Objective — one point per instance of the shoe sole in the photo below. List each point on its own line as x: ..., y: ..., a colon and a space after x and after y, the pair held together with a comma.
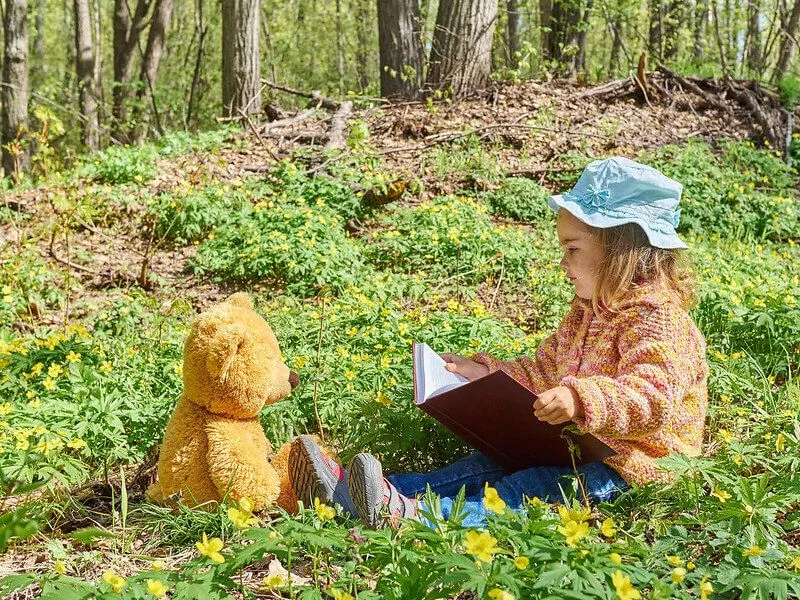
x: 365, y: 497
x: 308, y: 481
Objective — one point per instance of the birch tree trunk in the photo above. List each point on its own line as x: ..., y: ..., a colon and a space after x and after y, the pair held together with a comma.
x: 400, y: 45
x: 241, y: 57
x: 16, y: 150
x: 85, y: 70
x: 461, y: 53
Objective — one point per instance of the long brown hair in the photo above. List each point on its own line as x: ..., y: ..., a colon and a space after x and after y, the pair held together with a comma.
x: 630, y: 262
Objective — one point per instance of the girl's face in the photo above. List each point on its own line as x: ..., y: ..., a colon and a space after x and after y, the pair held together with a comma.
x: 582, y: 253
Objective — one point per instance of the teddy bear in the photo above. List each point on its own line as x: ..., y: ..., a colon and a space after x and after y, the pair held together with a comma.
x: 214, y: 446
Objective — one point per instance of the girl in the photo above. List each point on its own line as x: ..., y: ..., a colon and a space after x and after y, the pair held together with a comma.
x: 627, y: 363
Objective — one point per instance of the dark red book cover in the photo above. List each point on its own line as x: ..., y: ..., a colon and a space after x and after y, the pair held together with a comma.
x: 495, y: 415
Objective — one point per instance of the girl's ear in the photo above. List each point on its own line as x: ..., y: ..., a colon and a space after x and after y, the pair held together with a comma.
x: 222, y: 349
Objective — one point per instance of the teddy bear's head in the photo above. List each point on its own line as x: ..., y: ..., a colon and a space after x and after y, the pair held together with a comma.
x: 231, y: 361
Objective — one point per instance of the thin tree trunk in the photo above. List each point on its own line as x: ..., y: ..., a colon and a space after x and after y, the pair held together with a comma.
x: 654, y: 39
x: 545, y: 10
x: 362, y: 44
x: 616, y: 44
x: 673, y: 24
x: 563, y: 23
x: 580, y: 57
x: 200, y: 31
x: 513, y: 12
x: 39, y: 69
x: 241, y: 59
x: 159, y: 22
x: 701, y: 16
x: 720, y: 46
x: 127, y: 30
x: 85, y: 70
x: 16, y: 150
x: 787, y: 43
x: 339, y: 46
x: 400, y: 48
x: 461, y: 54
x: 754, y: 37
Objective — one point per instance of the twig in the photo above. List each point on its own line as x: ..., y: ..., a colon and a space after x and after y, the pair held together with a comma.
x: 247, y: 118
x: 316, y: 96
x: 54, y: 256
x: 499, y: 281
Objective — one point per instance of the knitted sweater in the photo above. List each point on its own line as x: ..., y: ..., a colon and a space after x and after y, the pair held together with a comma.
x: 641, y: 377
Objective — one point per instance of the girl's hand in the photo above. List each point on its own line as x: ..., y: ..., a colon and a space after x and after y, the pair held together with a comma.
x: 558, y: 405
x: 464, y: 366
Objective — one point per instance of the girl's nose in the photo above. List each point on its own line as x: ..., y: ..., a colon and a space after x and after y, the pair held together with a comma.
x: 563, y: 263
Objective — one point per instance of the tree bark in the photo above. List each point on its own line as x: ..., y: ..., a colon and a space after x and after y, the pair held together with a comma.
x: 787, y: 43
x: 754, y: 37
x: 16, y: 150
x: 159, y: 22
x: 362, y: 44
x: 461, y: 53
x: 39, y: 69
x: 564, y: 20
x: 85, y: 70
x: 701, y: 16
x: 580, y: 57
x: 674, y: 18
x: 241, y: 58
x: 513, y: 31
x: 654, y: 38
x: 616, y: 44
x: 127, y: 30
x: 400, y: 45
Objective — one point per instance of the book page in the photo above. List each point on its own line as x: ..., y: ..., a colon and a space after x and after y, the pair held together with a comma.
x: 431, y: 376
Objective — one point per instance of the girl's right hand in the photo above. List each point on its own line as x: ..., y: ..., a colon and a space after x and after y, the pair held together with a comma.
x: 464, y: 366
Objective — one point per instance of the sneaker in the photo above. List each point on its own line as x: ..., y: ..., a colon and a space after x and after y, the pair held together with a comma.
x: 373, y: 495
x: 315, y: 475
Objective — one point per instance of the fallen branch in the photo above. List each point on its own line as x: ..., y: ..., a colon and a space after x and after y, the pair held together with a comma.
x: 314, y: 96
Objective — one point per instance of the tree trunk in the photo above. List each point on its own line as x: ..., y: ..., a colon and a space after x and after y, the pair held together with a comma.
x: 674, y: 18
x: 513, y: 11
x: 616, y: 44
x: 85, y: 70
x: 580, y: 57
x: 701, y: 16
x: 545, y: 10
x: 564, y: 23
x: 159, y: 22
x: 787, y: 43
x: 241, y: 62
x: 400, y: 48
x: 461, y: 53
x: 339, y: 47
x: 362, y: 44
x: 200, y: 32
x: 127, y: 30
x: 654, y: 39
x: 16, y: 150
x: 39, y: 69
x: 754, y: 37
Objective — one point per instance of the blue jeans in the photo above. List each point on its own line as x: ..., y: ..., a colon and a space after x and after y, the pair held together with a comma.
x: 602, y: 484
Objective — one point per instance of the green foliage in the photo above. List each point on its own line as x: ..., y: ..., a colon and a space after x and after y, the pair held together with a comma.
x: 789, y: 90
x: 121, y: 165
x: 519, y: 199
x: 448, y: 236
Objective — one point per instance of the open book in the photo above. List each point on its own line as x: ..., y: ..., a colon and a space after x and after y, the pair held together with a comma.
x: 494, y: 414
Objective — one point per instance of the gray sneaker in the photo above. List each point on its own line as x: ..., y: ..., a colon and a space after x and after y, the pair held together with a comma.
x: 315, y: 475
x: 374, y: 496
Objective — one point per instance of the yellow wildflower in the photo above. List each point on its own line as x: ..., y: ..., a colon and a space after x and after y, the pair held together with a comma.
x: 54, y: 370
x: 156, y: 588
x: 753, y: 551
x: 795, y: 563
x: 705, y: 588
x: 678, y: 573
x: 521, y: 562
x: 274, y: 580
x: 340, y: 595
x: 721, y: 494
x: 492, y: 500
x: 106, y: 367
x: 76, y: 444
x: 690, y: 566
x: 570, y: 514
x: 73, y: 357
x: 615, y: 558
x: 324, y: 512
x: 211, y: 548
x: 607, y: 528
x: 573, y: 532
x: 242, y: 516
x: 675, y: 561
x: 498, y: 594
x: 349, y: 375
x: 115, y: 581
x: 6, y: 408
x: 481, y: 545
x: 157, y: 565
x: 49, y: 384
x: 780, y: 442
x: 59, y: 568
x: 624, y: 587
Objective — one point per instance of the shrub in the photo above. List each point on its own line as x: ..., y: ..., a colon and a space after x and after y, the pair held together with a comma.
x: 519, y: 199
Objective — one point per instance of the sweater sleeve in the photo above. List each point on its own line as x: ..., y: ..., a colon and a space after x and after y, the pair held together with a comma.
x: 537, y: 373
x: 657, y: 365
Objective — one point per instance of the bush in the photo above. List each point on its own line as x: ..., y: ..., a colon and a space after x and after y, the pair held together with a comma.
x: 519, y: 199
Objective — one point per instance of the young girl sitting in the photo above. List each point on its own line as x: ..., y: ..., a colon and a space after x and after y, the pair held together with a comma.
x: 627, y: 363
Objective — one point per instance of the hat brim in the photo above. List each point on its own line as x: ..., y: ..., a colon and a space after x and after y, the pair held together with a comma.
x: 669, y: 241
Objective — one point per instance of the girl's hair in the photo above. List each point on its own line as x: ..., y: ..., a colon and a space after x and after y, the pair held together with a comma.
x: 630, y: 262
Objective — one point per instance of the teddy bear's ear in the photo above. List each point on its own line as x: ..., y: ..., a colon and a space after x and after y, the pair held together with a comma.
x: 240, y: 299
x: 223, y: 348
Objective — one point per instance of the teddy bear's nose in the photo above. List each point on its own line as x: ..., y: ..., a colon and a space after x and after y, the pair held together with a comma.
x: 294, y: 379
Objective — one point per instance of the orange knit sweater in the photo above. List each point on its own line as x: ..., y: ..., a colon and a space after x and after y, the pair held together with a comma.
x: 641, y: 376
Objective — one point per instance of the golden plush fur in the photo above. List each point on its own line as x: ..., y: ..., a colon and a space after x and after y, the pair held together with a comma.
x: 214, y: 445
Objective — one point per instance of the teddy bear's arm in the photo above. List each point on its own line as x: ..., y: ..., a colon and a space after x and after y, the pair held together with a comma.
x: 238, y: 462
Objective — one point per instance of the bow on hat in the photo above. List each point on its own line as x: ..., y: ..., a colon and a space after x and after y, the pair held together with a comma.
x: 594, y: 197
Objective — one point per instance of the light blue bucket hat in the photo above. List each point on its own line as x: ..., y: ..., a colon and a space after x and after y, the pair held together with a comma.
x: 618, y: 190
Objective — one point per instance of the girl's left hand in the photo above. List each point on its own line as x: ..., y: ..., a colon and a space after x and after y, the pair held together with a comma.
x: 558, y: 405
